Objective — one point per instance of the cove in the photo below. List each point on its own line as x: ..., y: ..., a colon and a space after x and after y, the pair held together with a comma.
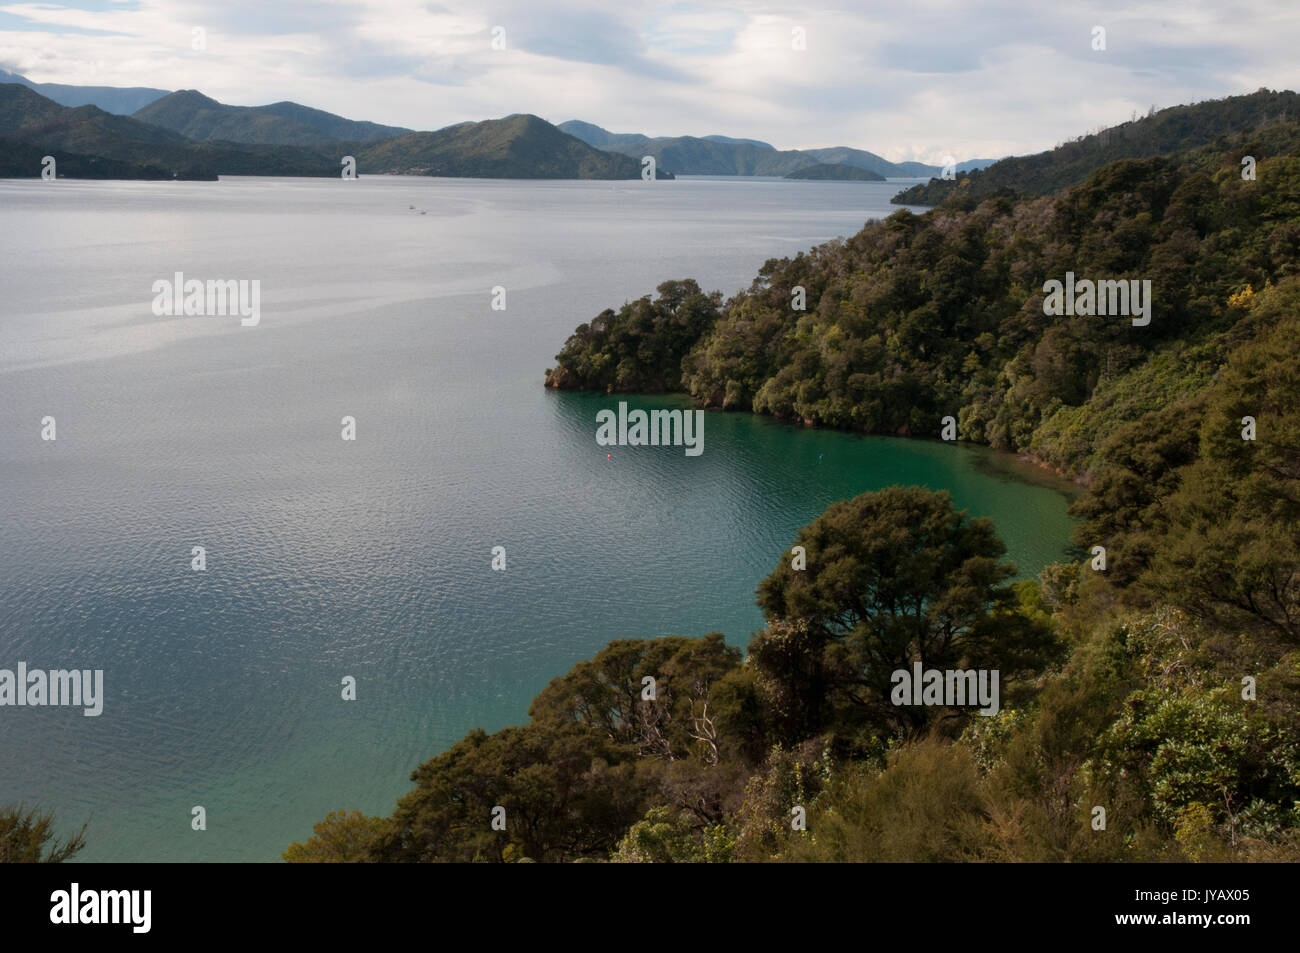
x: 738, y: 506
x: 372, y: 559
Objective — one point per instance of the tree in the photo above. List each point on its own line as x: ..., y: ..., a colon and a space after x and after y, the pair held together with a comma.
x: 659, y: 722
x: 639, y: 348
x: 926, y: 806
x: 27, y: 837
x: 664, y: 836
x: 564, y: 792
x: 893, y: 577
x: 1232, y: 547
x: 344, y: 837
x: 1199, y: 751
x: 679, y: 720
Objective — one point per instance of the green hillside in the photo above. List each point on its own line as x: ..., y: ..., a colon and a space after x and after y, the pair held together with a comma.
x: 861, y: 159
x: 517, y: 147
x: 724, y: 155
x: 1167, y: 131
x: 594, y: 135
x: 195, y: 116
x: 920, y: 317
x: 688, y: 155
x: 22, y: 160
x: 27, y: 116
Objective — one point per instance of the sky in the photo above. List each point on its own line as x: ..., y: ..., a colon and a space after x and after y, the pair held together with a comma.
x: 908, y: 79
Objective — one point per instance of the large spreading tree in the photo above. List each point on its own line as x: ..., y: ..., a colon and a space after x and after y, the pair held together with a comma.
x: 892, y: 578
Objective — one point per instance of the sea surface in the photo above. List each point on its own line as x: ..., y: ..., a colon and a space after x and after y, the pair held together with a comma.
x: 371, y: 558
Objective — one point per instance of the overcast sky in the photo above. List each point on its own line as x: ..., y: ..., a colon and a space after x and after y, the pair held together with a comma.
x: 910, y: 79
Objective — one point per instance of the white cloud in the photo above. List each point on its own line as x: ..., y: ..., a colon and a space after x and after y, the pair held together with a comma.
x: 916, y: 80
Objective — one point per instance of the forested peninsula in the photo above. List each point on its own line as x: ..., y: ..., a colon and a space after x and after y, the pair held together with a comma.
x: 1150, y: 689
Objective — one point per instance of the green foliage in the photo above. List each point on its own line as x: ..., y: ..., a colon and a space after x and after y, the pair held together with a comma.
x: 594, y: 758
x: 1121, y: 403
x: 343, y: 837
x: 791, y: 778
x: 1230, y: 547
x: 641, y: 347
x: 920, y: 317
x: 1059, y: 585
x: 1204, y: 751
x: 665, y: 836
x: 27, y: 837
x: 1167, y: 131
x: 186, y: 135
x: 925, y: 806
x: 1140, y: 465
x: 683, y: 718
x: 1219, y: 769
x: 22, y: 160
x: 719, y: 155
x: 893, y: 577
x: 691, y: 155
x: 568, y: 791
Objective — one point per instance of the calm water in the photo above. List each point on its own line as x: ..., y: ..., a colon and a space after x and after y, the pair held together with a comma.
x: 372, y: 558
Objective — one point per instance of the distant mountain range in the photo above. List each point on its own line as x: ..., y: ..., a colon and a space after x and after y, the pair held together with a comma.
x: 142, y: 150
x: 604, y: 139
x: 186, y: 135
x: 723, y: 155
x: 195, y: 116
x: 121, y: 101
x: 98, y: 131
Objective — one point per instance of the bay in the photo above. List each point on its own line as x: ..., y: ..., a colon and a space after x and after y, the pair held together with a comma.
x: 372, y: 558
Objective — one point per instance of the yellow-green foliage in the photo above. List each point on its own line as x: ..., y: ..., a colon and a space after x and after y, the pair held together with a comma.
x: 343, y: 837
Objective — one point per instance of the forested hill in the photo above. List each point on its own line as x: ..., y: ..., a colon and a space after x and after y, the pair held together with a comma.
x: 280, y: 139
x: 725, y: 155
x: 97, y: 144
x: 916, y: 318
x: 1176, y: 129
x: 516, y: 147
x: 198, y: 117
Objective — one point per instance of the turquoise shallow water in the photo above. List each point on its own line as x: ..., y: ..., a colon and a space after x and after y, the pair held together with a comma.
x: 372, y: 558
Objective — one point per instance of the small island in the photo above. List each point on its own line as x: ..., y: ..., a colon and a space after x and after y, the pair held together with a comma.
x: 835, y: 172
